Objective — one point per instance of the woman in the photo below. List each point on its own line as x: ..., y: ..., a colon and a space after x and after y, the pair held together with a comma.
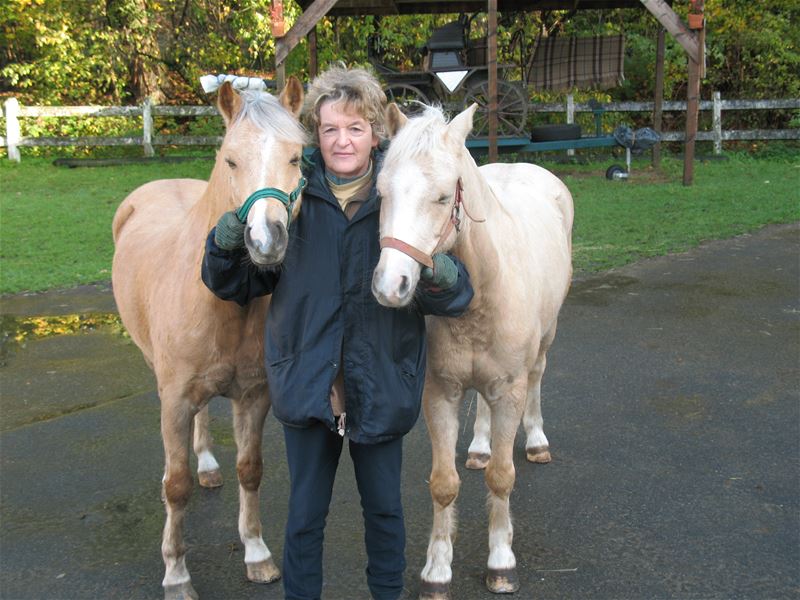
x: 339, y: 364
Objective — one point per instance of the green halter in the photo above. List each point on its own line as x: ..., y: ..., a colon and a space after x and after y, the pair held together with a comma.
x: 287, y: 200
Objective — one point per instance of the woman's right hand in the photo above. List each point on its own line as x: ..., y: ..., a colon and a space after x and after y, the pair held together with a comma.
x: 229, y: 234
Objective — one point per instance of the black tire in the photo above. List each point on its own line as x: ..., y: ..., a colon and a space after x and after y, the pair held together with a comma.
x: 612, y: 171
x: 554, y: 133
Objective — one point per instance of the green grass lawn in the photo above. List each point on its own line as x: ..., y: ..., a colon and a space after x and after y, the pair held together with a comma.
x: 55, y: 222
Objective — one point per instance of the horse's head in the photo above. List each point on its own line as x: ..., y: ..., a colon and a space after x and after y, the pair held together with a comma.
x: 420, y: 197
x: 259, y: 163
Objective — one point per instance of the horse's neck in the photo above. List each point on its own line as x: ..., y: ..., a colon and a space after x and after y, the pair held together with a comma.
x: 475, y: 245
x: 215, y: 200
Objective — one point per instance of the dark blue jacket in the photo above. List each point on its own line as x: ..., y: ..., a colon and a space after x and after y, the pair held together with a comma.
x: 323, y: 312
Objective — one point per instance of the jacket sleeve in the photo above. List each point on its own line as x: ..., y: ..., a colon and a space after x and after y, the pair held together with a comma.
x: 452, y: 302
x: 231, y: 276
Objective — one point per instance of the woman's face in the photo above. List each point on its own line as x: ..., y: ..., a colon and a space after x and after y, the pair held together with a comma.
x: 346, y: 140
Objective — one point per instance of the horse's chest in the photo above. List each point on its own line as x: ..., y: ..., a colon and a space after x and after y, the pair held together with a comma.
x: 471, y: 352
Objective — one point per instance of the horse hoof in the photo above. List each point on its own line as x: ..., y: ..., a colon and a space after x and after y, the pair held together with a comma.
x: 263, y: 571
x: 538, y: 454
x: 502, y: 581
x: 180, y: 591
x: 430, y: 590
x: 210, y: 479
x: 477, y: 460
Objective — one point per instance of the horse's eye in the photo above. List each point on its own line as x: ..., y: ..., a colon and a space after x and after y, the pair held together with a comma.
x: 295, y: 161
x: 443, y: 199
x: 230, y: 163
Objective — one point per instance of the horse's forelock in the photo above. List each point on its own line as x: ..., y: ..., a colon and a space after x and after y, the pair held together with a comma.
x: 266, y: 112
x: 421, y: 136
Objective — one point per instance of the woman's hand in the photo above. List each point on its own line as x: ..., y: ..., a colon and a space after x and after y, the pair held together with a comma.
x: 444, y: 273
x: 229, y: 234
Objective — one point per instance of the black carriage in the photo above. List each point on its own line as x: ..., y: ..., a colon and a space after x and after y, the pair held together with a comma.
x: 455, y: 74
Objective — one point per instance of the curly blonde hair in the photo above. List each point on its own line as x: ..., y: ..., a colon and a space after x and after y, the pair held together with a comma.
x: 358, y: 88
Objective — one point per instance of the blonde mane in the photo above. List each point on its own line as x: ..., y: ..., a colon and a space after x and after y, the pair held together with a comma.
x: 266, y: 112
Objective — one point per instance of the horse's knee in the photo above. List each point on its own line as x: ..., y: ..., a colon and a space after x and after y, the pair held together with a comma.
x: 500, y: 479
x: 444, y: 488
x: 178, y: 487
x: 250, y: 471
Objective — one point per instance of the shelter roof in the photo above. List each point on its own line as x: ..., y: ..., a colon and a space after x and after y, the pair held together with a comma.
x: 406, y: 7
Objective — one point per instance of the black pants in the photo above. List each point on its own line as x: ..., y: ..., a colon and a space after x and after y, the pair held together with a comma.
x: 313, y: 456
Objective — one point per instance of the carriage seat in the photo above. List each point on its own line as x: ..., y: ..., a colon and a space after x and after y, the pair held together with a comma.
x: 447, y: 37
x: 445, y: 48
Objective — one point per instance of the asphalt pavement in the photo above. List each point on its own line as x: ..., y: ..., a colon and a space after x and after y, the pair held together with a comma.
x: 671, y: 401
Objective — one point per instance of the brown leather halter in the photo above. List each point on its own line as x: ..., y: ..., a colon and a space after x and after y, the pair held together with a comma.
x: 454, y: 221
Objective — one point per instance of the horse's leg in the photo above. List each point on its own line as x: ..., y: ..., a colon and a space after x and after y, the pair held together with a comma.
x: 506, y: 414
x: 176, y: 424
x: 248, y: 426
x: 480, y: 449
x: 208, y: 472
x: 441, y: 416
x: 537, y: 448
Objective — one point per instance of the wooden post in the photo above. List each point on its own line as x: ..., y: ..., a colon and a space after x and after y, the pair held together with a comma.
x: 692, y: 110
x: 658, y: 101
x: 491, y: 51
x: 278, y: 30
x: 717, y: 120
x: 313, y: 64
x: 147, y: 126
x: 696, y: 64
x: 13, y: 136
x: 570, y: 118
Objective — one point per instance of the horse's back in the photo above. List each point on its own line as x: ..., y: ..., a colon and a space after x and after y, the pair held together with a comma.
x: 164, y: 201
x: 537, y: 233
x: 525, y: 188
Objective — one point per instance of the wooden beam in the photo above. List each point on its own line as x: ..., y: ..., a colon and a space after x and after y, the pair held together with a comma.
x: 673, y: 24
x: 303, y: 25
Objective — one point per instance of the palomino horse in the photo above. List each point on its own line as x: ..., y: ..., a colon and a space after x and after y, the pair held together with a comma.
x: 516, y: 245
x: 197, y: 345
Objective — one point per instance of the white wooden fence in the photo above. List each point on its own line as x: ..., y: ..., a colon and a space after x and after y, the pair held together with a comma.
x: 14, y: 113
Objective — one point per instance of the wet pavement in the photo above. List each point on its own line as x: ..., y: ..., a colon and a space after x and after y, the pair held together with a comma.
x: 670, y: 401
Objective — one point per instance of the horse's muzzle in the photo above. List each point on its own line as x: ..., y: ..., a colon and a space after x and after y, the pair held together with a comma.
x: 393, y: 291
x: 269, y: 251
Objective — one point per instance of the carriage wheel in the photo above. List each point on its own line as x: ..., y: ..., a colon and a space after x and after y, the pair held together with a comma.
x: 407, y: 97
x: 512, y: 108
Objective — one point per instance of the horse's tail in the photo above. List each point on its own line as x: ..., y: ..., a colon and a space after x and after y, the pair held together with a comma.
x: 121, y: 217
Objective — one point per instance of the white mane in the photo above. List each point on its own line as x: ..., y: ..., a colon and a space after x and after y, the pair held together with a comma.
x: 266, y: 112
x: 420, y: 137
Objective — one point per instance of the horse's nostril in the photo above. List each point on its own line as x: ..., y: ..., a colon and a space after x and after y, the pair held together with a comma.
x: 403, y: 290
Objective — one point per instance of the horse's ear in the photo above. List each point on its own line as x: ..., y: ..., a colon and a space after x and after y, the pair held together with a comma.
x: 291, y: 97
x: 395, y: 119
x: 461, y: 125
x: 228, y: 102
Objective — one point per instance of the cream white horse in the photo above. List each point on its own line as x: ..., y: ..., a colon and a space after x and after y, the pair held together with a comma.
x: 197, y: 345
x: 511, y: 226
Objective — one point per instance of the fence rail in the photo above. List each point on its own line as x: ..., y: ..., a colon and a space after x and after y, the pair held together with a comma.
x: 14, y: 112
